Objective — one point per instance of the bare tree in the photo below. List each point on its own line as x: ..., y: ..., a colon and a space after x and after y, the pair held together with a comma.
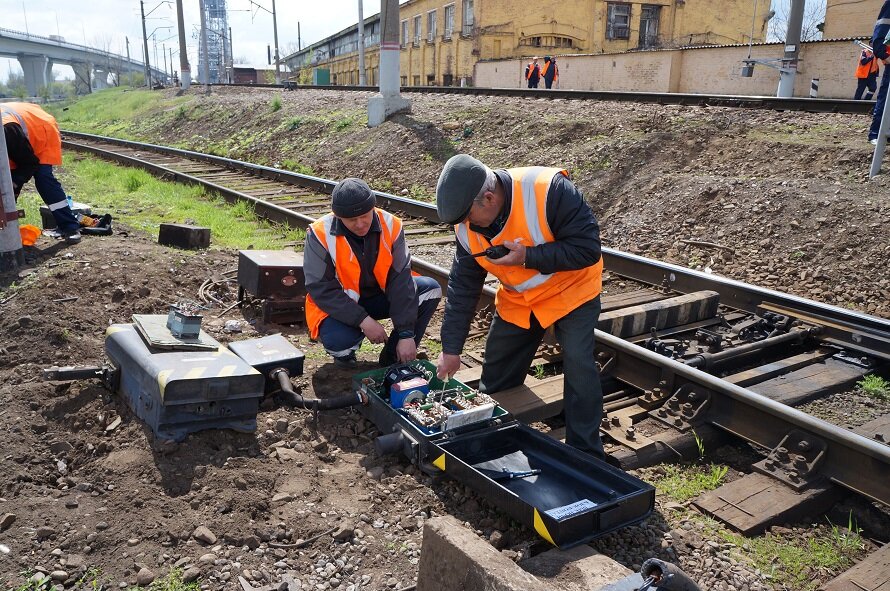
x: 813, y: 20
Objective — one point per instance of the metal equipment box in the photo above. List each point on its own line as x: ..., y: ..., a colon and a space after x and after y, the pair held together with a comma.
x: 268, y: 353
x: 179, y: 392
x: 272, y: 273
x: 568, y: 497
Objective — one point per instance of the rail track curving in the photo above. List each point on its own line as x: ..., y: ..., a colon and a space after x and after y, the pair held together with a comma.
x: 685, y: 356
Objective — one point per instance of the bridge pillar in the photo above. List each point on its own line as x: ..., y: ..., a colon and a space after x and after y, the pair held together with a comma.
x: 35, y: 68
x: 81, y: 77
x: 100, y: 78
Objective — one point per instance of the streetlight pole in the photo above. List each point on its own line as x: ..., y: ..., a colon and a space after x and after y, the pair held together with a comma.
x: 145, y: 46
x: 275, y: 28
x: 361, y: 46
x: 204, y: 49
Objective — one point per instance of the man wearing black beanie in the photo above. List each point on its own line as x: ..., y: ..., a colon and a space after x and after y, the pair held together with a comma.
x: 358, y: 271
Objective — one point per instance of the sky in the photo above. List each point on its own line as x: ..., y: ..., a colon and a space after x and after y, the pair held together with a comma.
x: 106, y: 23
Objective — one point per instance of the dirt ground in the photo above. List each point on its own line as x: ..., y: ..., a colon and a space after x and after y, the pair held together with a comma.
x: 784, y: 197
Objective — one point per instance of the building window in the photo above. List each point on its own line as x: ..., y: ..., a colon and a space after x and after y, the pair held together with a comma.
x: 618, y: 26
x: 404, y: 34
x: 468, y: 20
x: 416, y: 80
x: 404, y: 81
x: 430, y: 79
x: 649, y: 25
x: 449, y: 22
x: 417, y: 31
x: 447, y: 80
x: 431, y: 26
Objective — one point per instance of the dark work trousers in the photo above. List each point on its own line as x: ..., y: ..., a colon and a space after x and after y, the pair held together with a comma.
x: 52, y: 193
x: 871, y: 83
x: 879, y: 106
x: 509, y: 352
x: 341, y: 339
x: 533, y: 83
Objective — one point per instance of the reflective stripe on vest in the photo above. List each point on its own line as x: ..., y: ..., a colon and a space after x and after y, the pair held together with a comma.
x: 9, y: 114
x: 346, y: 265
x: 524, y: 291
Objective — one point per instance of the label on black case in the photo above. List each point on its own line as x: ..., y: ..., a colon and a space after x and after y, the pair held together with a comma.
x: 566, y: 511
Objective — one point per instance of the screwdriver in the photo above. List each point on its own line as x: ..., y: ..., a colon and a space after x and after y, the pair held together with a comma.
x: 492, y: 252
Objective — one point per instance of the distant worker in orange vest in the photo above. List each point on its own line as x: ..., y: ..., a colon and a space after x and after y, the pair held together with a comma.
x: 533, y: 73
x: 35, y: 146
x: 358, y: 271
x: 551, y: 275
x: 867, y: 75
x: 550, y: 71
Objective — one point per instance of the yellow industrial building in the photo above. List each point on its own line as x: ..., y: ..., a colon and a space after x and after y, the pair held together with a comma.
x: 442, y: 40
x: 850, y: 19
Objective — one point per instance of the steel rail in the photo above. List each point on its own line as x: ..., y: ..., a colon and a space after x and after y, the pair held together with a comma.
x: 851, y: 460
x: 860, y: 332
x: 804, y: 104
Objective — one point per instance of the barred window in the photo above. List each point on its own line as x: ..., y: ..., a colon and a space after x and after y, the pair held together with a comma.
x: 468, y: 19
x: 618, y: 25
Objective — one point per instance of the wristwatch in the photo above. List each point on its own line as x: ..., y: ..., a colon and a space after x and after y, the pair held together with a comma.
x: 406, y: 334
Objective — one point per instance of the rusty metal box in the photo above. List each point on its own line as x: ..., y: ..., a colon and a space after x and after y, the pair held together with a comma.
x: 272, y: 273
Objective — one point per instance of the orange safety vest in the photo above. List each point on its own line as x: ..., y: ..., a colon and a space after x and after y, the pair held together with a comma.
x: 547, y: 67
x: 527, y: 291
x: 40, y: 128
x: 346, y: 264
x: 866, y: 70
x: 531, y: 70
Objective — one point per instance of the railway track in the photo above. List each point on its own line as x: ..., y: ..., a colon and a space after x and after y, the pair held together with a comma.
x: 686, y: 357
x: 808, y: 105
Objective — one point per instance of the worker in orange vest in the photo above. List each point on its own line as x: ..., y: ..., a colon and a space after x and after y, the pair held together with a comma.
x: 358, y: 271
x: 533, y: 73
x: 866, y: 75
x: 550, y: 71
x: 35, y: 146
x: 551, y: 275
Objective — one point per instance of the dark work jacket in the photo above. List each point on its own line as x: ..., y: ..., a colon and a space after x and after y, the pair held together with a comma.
x: 882, y: 28
x: 535, y: 74
x: 324, y: 287
x: 20, y: 152
x: 576, y: 246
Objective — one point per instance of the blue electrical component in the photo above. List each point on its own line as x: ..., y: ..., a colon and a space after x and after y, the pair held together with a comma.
x: 408, y: 391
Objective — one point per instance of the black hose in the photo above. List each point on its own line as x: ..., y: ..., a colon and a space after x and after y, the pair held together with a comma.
x: 292, y: 398
x: 666, y: 576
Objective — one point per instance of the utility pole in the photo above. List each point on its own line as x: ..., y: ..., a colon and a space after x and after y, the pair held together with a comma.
x: 164, y: 51
x: 275, y: 28
x: 172, y: 70
x: 231, y: 59
x: 788, y: 71
x: 361, y: 46
x: 145, y: 46
x: 299, y: 42
x: 388, y: 101
x: 127, y: 39
x: 11, y: 254
x: 184, y: 69
x: 204, y: 53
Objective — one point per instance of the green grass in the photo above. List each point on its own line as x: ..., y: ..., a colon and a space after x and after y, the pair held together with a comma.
x: 293, y: 165
x: 796, y: 563
x: 875, y: 386
x: 276, y: 103
x: 143, y: 202
x: 683, y: 482
x: 113, y: 111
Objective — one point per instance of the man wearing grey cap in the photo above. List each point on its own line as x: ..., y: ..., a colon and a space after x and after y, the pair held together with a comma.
x: 550, y: 269
x: 358, y: 271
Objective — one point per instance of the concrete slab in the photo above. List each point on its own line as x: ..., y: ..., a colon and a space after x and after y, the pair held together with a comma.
x: 453, y: 558
x: 579, y: 569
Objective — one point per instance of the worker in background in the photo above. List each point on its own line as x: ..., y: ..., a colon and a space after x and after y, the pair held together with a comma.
x: 879, y: 47
x: 533, y: 73
x: 358, y: 271
x: 35, y: 146
x: 551, y: 276
x: 866, y: 75
x: 550, y: 71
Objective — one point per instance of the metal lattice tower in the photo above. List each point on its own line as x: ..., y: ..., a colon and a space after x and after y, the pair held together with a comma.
x: 219, y: 48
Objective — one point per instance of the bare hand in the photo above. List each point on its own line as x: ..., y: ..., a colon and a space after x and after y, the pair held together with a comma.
x: 448, y: 365
x: 406, y: 350
x: 516, y: 257
x: 373, y: 330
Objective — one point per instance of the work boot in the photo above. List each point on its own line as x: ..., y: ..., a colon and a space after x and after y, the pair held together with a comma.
x: 347, y: 361
x: 72, y: 237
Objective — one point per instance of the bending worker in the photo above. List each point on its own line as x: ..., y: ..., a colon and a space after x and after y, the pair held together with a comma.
x: 358, y: 271
x: 35, y: 146
x: 551, y: 275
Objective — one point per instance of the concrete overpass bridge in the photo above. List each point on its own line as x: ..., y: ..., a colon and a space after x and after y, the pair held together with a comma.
x: 91, y: 66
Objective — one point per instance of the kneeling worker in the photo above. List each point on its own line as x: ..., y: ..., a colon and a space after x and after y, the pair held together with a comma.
x: 358, y: 271
x: 550, y: 275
